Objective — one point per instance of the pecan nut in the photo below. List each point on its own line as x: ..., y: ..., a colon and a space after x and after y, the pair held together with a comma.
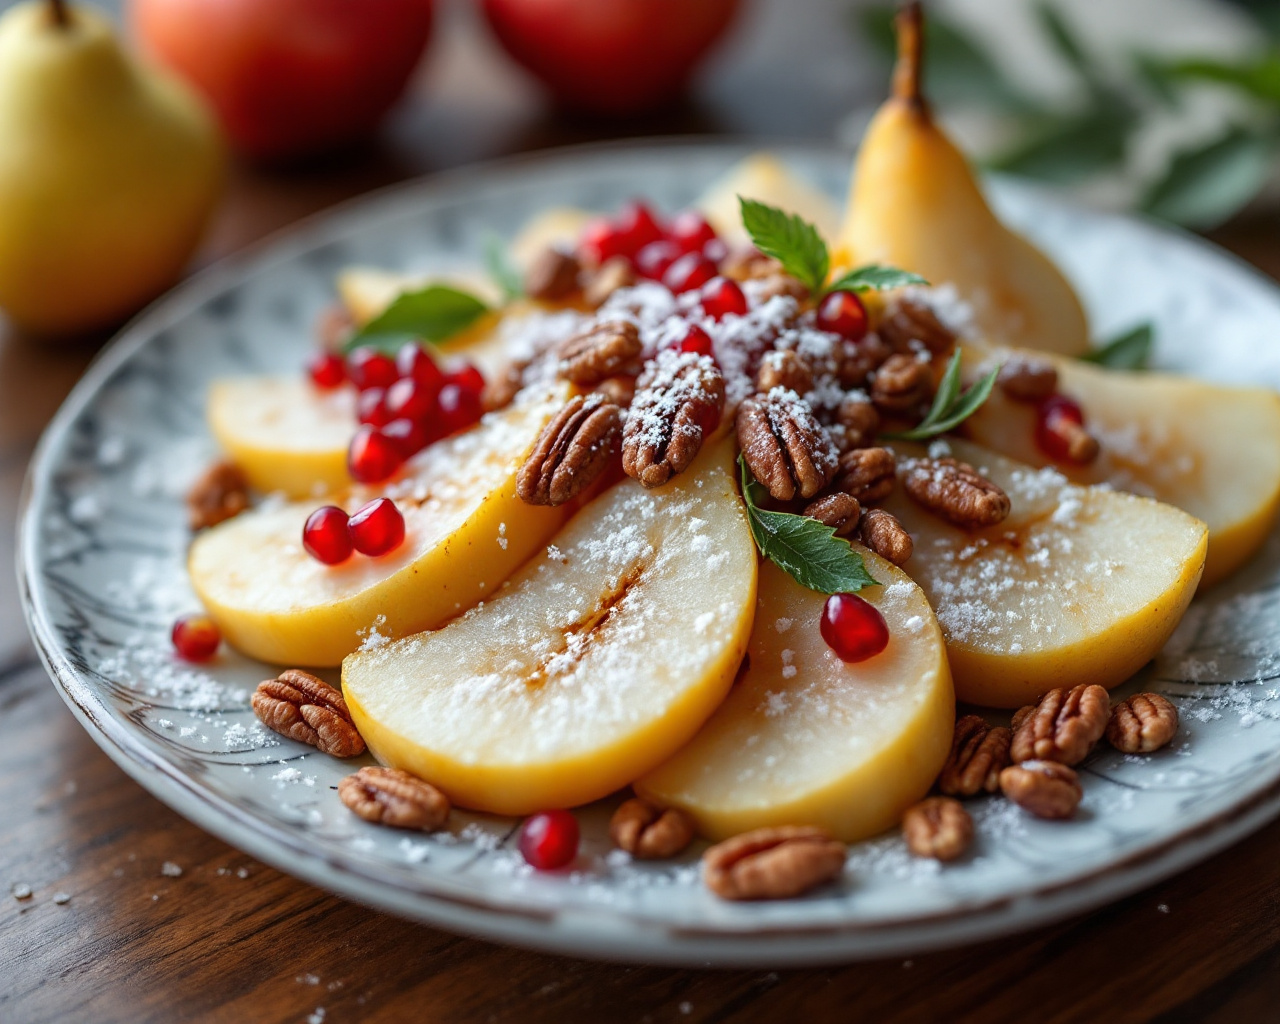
x: 902, y: 385
x: 937, y: 827
x: 618, y: 390
x: 882, y: 533
x: 909, y: 320
x: 785, y: 446
x: 388, y: 796
x: 978, y: 755
x: 298, y: 705
x: 571, y: 452
x: 601, y: 351
x: 747, y: 263
x: 772, y: 863
x: 838, y: 510
x: 679, y: 400
x: 222, y: 491
x: 501, y: 389
x: 552, y: 276
x: 770, y: 286
x: 1063, y: 726
x: 859, y: 420
x: 612, y: 274
x: 1047, y: 789
x: 857, y: 361
x: 1142, y: 723
x: 955, y: 491
x: 867, y: 474
x: 782, y: 368
x: 1027, y: 379
x: 649, y: 832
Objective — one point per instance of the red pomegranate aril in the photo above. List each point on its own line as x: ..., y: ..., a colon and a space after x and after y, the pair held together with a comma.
x: 653, y: 260
x: 549, y: 840
x: 716, y: 251
x: 721, y: 296
x: 638, y: 227
x: 369, y: 368
x: 325, y: 535
x: 690, y: 271
x: 696, y: 340
x: 1052, y: 415
x: 195, y: 638
x: 376, y: 528
x: 407, y: 399
x: 690, y: 231
x: 410, y: 436
x: 844, y: 314
x: 600, y: 240
x: 371, y: 407
x: 853, y: 627
x: 327, y: 370
x: 415, y: 362
x: 468, y: 377
x: 459, y: 408
x: 373, y: 456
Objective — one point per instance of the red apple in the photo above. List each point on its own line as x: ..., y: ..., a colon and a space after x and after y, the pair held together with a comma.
x: 610, y: 56
x: 289, y: 77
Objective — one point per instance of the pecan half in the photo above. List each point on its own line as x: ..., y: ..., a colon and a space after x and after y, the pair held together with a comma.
x: 679, y: 399
x: 772, y: 863
x: 1142, y: 723
x: 937, y: 827
x: 298, y: 705
x: 1063, y: 726
x: 1045, y: 788
x: 838, y: 510
x: 1027, y: 379
x: 907, y: 320
x: 978, y: 755
x: 618, y: 390
x: 867, y: 474
x: 571, y: 452
x: 785, y: 446
x: 552, y: 276
x: 502, y: 387
x: 902, y: 385
x: 770, y: 286
x: 856, y: 361
x: 222, y: 491
x: 782, y: 368
x: 955, y: 491
x: 388, y: 796
x: 860, y: 421
x: 882, y: 533
x: 611, y: 275
x: 747, y: 263
x: 649, y: 832
x: 600, y: 351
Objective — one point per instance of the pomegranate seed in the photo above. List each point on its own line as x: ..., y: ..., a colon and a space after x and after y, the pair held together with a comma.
x: 696, y: 340
x: 600, y: 240
x: 549, y: 840
x: 373, y: 456
x: 652, y: 261
x: 415, y: 362
x: 325, y: 535
x: 721, y: 296
x: 376, y: 528
x: 371, y: 407
x: 638, y: 227
x: 690, y: 271
x: 410, y: 436
x: 467, y: 377
x: 1060, y: 431
x: 369, y: 368
x: 195, y: 638
x: 407, y: 399
x: 716, y: 251
x: 459, y: 408
x: 690, y: 231
x: 853, y: 628
x: 844, y: 314
x: 327, y: 370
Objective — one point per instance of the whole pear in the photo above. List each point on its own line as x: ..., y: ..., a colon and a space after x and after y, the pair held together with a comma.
x: 108, y: 172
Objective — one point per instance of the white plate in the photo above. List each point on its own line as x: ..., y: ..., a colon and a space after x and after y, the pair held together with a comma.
x: 102, y: 549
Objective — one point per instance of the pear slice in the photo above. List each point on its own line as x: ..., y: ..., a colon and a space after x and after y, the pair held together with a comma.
x: 766, y: 179
x: 914, y: 204
x: 1209, y: 449
x: 803, y: 738
x: 602, y: 656
x: 1077, y: 585
x: 465, y: 532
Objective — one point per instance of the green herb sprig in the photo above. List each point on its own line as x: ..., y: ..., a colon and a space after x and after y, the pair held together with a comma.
x: 950, y: 407
x: 432, y: 313
x: 1130, y: 350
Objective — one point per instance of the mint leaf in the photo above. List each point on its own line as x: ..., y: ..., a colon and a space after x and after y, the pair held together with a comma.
x: 950, y: 407
x: 806, y: 549
x: 1128, y: 351
x: 504, y: 275
x: 434, y: 313
x: 874, y: 278
x: 792, y: 241
x: 1205, y: 185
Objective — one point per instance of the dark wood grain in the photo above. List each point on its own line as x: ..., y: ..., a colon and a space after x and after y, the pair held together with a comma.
x: 232, y: 940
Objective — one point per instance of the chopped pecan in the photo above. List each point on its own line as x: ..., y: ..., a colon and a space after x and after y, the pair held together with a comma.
x: 1045, y: 788
x: 978, y: 755
x: 860, y: 421
x: 770, y: 286
x: 649, y: 832
x: 909, y: 319
x: 782, y: 368
x: 785, y: 446
x: 618, y: 390
x: 601, y: 351
x: 1063, y: 726
x: 553, y: 275
x: 388, y: 796
x: 772, y: 863
x: 838, y: 510
x: 679, y: 400
x: 902, y: 385
x: 955, y: 491
x: 298, y: 705
x: 747, y: 263
x: 867, y: 474
x: 571, y: 452
x: 334, y: 326
x: 222, y: 491
x: 502, y: 387
x: 1142, y: 723
x: 937, y: 827
x: 1027, y: 379
x: 611, y: 275
x: 856, y: 361
x: 882, y: 533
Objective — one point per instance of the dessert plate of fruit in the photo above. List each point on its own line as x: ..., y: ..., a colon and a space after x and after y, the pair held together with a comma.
x: 734, y: 574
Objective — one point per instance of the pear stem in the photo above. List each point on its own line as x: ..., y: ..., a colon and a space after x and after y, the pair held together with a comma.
x: 58, y: 9
x: 907, y: 72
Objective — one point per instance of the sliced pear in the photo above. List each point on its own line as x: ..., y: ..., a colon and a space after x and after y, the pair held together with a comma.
x: 598, y: 661
x: 1209, y: 449
x: 465, y: 532
x: 765, y: 178
x: 914, y: 203
x: 803, y: 738
x: 1077, y: 585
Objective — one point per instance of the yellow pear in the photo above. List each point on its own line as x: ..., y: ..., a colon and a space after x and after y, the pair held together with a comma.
x: 108, y: 172
x: 914, y: 204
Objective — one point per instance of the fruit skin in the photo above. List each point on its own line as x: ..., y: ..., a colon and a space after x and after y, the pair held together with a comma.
x: 289, y: 77
x: 619, y: 57
x: 195, y: 638
x: 109, y: 171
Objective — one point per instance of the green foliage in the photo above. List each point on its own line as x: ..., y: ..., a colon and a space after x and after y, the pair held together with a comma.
x: 434, y: 313
x: 1130, y: 350
x: 950, y: 408
x: 792, y: 241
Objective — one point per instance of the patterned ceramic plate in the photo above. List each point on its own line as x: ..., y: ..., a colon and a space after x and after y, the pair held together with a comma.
x: 103, y: 543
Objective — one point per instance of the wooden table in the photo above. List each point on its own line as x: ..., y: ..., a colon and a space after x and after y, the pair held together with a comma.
x: 107, y: 937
